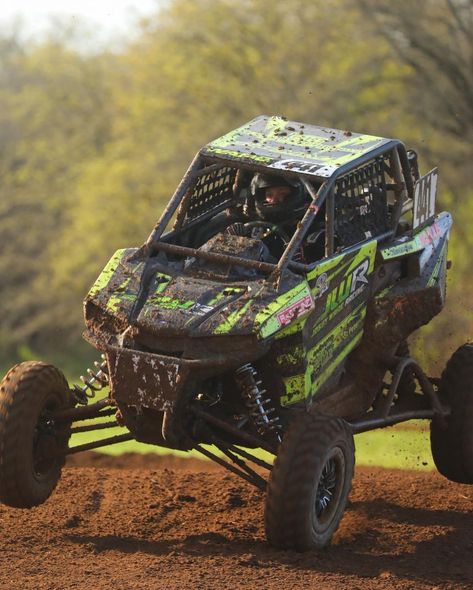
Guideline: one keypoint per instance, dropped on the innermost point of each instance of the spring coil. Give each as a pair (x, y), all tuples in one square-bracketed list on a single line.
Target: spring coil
[(95, 381), (261, 410)]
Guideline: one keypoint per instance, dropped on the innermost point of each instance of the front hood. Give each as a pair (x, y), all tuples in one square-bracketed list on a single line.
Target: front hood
[(162, 302)]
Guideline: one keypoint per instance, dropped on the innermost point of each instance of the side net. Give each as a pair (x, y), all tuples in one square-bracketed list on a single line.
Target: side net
[(212, 192), (361, 207)]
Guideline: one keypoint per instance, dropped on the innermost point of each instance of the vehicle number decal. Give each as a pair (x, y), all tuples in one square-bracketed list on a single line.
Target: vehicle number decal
[(425, 192)]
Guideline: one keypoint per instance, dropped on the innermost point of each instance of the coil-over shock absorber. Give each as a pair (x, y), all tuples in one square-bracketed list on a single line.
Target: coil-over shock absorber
[(261, 410), (95, 381)]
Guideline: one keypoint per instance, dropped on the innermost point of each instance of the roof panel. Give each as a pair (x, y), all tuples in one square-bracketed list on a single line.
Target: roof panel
[(287, 145)]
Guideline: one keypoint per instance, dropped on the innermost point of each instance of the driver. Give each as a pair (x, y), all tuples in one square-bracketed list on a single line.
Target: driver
[(277, 204), (280, 200), (272, 208)]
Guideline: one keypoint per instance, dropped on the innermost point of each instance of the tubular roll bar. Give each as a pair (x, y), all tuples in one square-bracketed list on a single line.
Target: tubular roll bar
[(178, 202), (214, 256)]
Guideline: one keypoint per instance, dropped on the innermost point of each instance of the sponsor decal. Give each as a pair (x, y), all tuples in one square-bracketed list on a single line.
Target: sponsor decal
[(165, 302), (426, 236), (200, 309), (321, 285), (326, 355), (431, 234), (296, 165), (351, 286), (286, 316)]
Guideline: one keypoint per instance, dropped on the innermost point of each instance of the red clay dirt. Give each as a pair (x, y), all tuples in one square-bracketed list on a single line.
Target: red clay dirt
[(147, 522)]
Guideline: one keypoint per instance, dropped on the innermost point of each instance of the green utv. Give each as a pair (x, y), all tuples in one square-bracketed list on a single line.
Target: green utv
[(272, 314)]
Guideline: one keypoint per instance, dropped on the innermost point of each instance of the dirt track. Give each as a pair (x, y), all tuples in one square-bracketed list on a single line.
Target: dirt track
[(143, 523)]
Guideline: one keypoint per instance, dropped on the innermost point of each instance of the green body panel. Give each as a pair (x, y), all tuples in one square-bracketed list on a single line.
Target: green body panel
[(226, 326), (342, 339), (278, 143), (320, 316), (198, 306), (294, 389), (425, 237), (340, 287), (284, 310), (117, 286), (107, 273), (343, 283)]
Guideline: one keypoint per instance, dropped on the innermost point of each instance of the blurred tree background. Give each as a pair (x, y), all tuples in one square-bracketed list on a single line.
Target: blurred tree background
[(92, 144)]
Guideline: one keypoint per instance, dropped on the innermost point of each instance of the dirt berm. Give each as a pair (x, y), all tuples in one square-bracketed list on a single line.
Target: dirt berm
[(144, 522)]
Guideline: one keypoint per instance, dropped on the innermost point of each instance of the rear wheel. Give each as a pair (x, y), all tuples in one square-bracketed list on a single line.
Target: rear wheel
[(310, 483), (32, 445), (452, 440)]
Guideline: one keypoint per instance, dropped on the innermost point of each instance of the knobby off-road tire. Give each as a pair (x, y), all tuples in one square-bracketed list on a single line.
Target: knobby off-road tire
[(30, 442), (310, 482), (452, 443)]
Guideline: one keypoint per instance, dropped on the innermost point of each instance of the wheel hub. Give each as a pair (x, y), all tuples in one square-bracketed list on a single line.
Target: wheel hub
[(328, 490), (45, 445), (326, 487)]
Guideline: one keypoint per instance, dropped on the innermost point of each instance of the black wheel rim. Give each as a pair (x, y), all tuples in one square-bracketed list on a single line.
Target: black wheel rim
[(328, 490), (46, 442)]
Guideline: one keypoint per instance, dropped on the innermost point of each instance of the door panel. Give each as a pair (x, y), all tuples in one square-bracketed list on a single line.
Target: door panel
[(341, 287)]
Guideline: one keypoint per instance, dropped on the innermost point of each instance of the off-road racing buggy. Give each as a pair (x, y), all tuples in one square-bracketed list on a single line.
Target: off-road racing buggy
[(239, 341)]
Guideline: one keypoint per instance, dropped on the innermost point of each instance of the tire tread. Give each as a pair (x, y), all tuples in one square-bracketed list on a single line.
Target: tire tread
[(290, 488), (20, 393), (452, 446)]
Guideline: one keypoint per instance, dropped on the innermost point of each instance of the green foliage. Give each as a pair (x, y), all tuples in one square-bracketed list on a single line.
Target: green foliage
[(434, 39), (53, 117), (93, 145)]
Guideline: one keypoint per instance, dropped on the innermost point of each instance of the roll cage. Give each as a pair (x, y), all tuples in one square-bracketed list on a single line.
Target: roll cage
[(356, 189)]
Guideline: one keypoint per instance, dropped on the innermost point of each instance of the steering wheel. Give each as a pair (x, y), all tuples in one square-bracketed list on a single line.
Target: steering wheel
[(273, 238), (262, 230)]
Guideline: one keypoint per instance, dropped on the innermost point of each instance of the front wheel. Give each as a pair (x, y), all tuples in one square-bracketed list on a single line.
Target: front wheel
[(452, 439), (32, 445), (310, 483)]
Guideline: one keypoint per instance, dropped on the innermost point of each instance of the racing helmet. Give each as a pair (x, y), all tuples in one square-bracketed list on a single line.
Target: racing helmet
[(291, 208)]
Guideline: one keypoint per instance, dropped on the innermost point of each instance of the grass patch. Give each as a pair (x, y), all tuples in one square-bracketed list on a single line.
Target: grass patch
[(405, 446), (398, 447)]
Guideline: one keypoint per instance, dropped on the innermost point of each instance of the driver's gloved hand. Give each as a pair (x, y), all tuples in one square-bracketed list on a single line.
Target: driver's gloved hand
[(237, 229), (298, 256), (266, 255)]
